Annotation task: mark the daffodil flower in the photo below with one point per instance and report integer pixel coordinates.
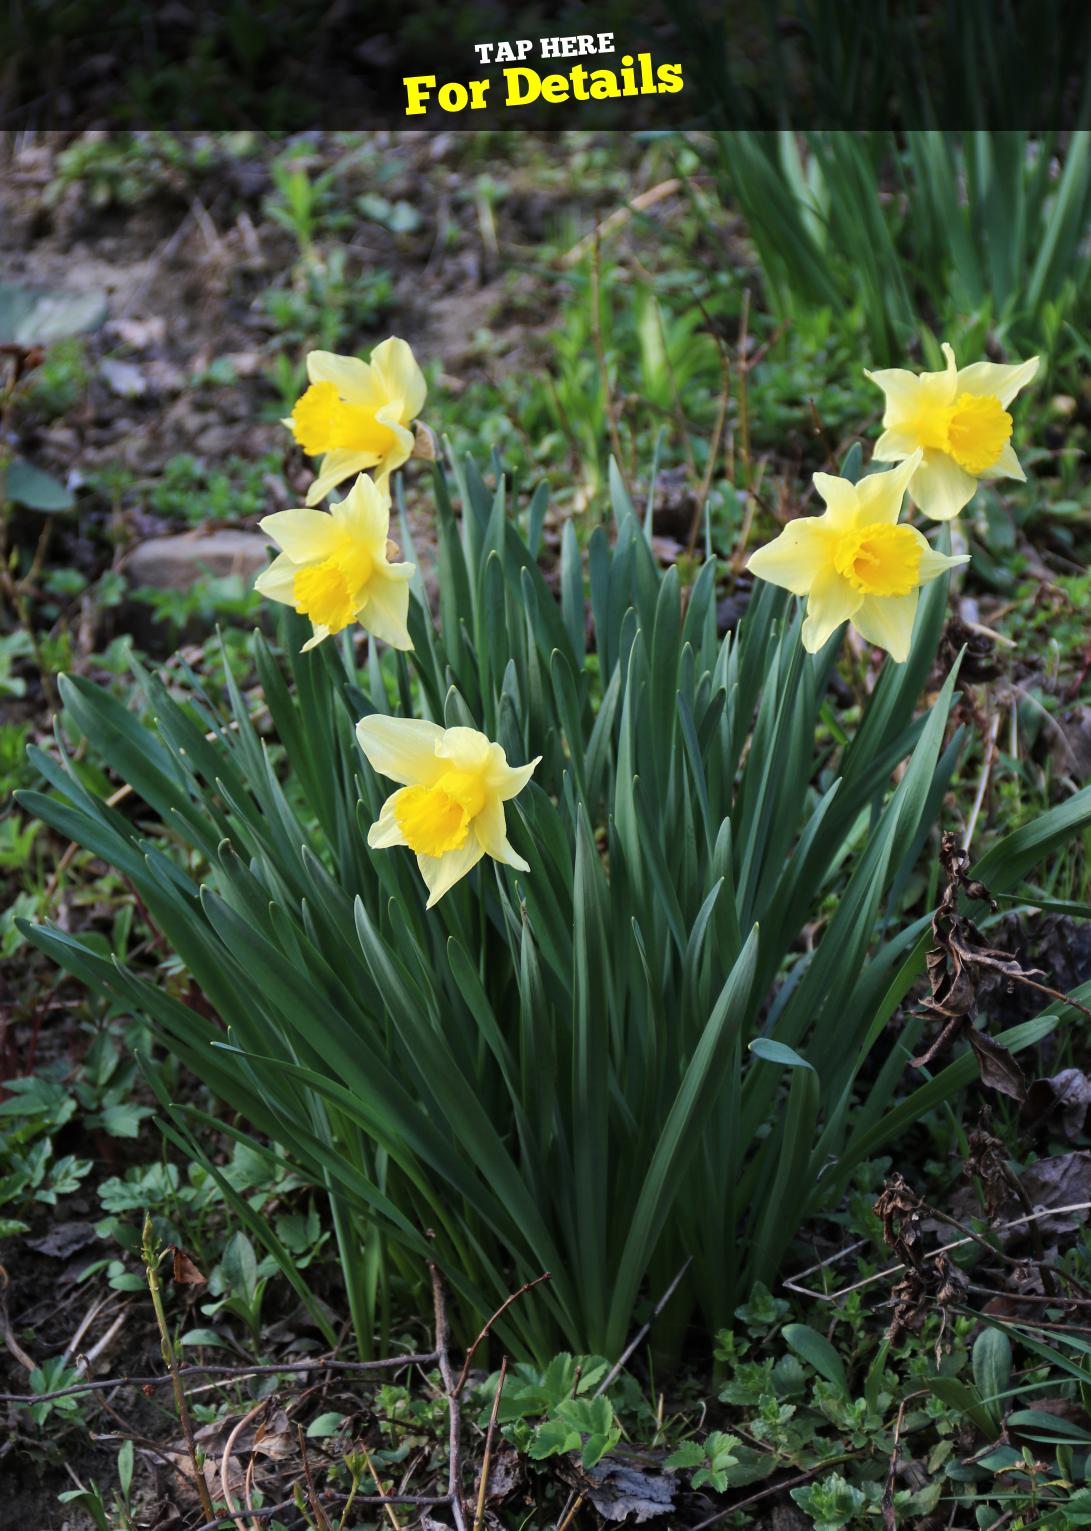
(356, 414)
(855, 563)
(449, 808)
(335, 566)
(959, 419)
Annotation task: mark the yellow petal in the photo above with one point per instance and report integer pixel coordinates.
(879, 496)
(386, 831)
(400, 448)
(440, 873)
(505, 780)
(887, 621)
(465, 748)
(839, 497)
(491, 829)
(319, 635)
(354, 380)
(307, 536)
(831, 601)
(893, 445)
(1007, 465)
(933, 564)
(365, 514)
(940, 487)
(900, 387)
(908, 392)
(385, 613)
(1003, 382)
(402, 748)
(277, 582)
(402, 379)
(336, 467)
(794, 559)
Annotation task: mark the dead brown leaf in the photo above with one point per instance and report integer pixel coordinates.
(183, 1271)
(1061, 1181)
(1068, 1092)
(956, 964)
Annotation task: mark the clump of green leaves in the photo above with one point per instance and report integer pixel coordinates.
(638, 1058)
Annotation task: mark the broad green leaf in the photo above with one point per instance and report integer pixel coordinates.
(35, 489)
(817, 1351)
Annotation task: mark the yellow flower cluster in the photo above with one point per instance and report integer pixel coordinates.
(337, 567)
(857, 563)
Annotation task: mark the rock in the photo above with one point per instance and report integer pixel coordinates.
(124, 378)
(172, 563)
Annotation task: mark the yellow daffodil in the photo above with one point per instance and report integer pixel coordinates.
(356, 414)
(335, 566)
(959, 419)
(449, 808)
(855, 563)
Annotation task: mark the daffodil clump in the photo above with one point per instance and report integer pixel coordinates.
(858, 563)
(653, 1037)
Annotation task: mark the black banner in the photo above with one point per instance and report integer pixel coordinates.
(616, 64)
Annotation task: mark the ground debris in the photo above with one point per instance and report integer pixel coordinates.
(957, 963)
(1067, 1093)
(621, 1492)
(928, 1282)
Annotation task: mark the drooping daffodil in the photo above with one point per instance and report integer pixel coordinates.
(959, 419)
(335, 566)
(855, 563)
(356, 414)
(449, 808)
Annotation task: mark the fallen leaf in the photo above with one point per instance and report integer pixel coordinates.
(619, 1492)
(273, 1437)
(999, 1070)
(64, 1239)
(1061, 1181)
(184, 1271)
(1068, 1092)
(505, 1473)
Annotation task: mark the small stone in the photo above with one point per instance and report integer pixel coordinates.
(172, 563)
(124, 378)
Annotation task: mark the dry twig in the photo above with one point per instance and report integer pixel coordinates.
(486, 1461)
(454, 1413)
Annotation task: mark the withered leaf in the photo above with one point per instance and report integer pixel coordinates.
(1061, 1181)
(1069, 1092)
(63, 1239)
(956, 964)
(619, 1492)
(999, 1070)
(184, 1271)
